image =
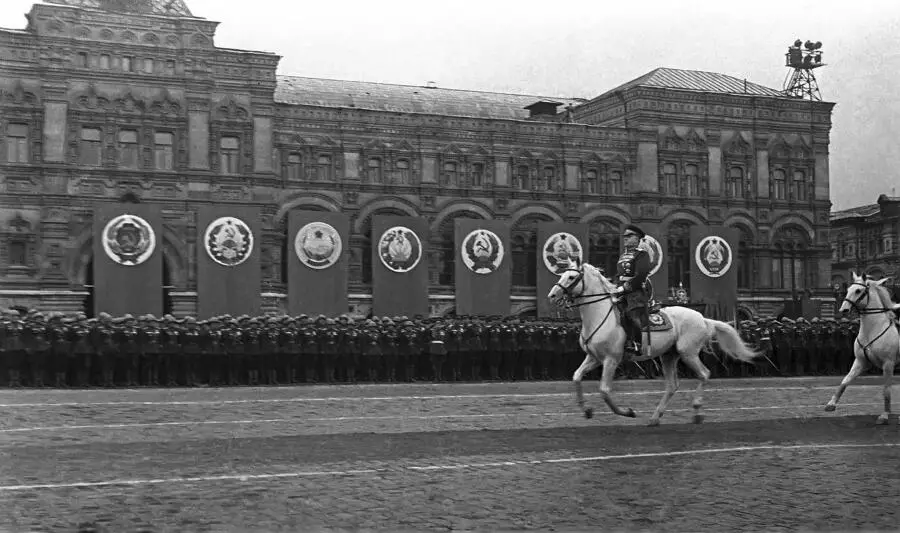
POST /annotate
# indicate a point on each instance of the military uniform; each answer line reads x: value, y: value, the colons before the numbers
x: 632, y: 270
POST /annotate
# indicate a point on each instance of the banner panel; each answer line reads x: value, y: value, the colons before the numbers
x: 228, y: 260
x: 483, y: 273
x: 318, y: 258
x: 714, y: 269
x: 399, y: 266
x: 558, y: 243
x: 128, y: 259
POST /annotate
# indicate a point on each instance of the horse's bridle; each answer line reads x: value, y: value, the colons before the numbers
x: 866, y: 311
x: 572, y: 298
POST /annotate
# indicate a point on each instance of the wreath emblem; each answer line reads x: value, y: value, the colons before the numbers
x: 560, y: 251
x: 318, y: 245
x: 128, y: 240
x: 228, y: 241
x: 399, y: 249
x: 713, y: 256
x: 653, y: 248
x: 482, y: 251
x: 656, y: 320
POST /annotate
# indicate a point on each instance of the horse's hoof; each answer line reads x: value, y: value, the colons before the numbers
x: 882, y: 421
x: 698, y: 419
x: 589, y: 413
x: 830, y: 407
x: 630, y: 413
x: 653, y: 422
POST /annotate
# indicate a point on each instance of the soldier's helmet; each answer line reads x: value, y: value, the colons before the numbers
x: 330, y: 321
x: 190, y: 320
x: 104, y: 316
x: 370, y: 323
x: 168, y: 318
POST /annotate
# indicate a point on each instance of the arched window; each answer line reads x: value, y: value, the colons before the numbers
x: 778, y: 186
x: 605, y: 246
x: 519, y: 259
x: 450, y: 178
x: 792, y: 263
x: 616, y: 183
x: 798, y: 186
x: 735, y: 186
x: 678, y: 249
x: 589, y: 184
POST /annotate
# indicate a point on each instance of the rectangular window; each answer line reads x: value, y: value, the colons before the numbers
x: 82, y: 59
x: 375, y: 170
x: 128, y: 149
x: 549, y: 178
x: 17, y: 143
x: 521, y: 179
x: 148, y: 66
x: 799, y: 189
x: 128, y: 64
x: 170, y: 67
x: 590, y: 182
x: 403, y: 171
x: 17, y: 253
x: 323, y: 168
x: 163, y: 151
x: 90, y: 149
x: 295, y: 167
x: 450, y: 174
x: 229, y: 154
x: 104, y: 61
x: 691, y: 181
x: 670, y: 180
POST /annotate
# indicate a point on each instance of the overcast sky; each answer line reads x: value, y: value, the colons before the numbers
x: 581, y: 48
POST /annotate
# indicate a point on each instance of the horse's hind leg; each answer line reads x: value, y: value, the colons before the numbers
x: 858, y: 367
x: 609, y: 371
x: 670, y: 374
x: 587, y: 365
x: 888, y: 371
x: 694, y: 362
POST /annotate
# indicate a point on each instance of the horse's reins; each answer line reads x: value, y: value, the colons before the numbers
x: 866, y: 311
x: 599, y: 297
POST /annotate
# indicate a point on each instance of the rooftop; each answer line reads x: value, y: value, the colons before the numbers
x: 298, y: 90
x: 856, y: 212
x: 699, y: 81
x: 170, y: 8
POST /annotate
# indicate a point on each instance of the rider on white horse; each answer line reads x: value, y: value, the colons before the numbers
x: 632, y: 270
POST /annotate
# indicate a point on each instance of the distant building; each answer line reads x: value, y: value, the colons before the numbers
x: 102, y: 100
x: 866, y: 240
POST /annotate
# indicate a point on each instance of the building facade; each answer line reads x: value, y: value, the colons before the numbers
x: 109, y: 99
x: 864, y: 240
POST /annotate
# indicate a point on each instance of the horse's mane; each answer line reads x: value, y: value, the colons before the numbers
x: 607, y: 285
x: 882, y: 292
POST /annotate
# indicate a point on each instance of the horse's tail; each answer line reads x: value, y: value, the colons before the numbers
x: 731, y: 342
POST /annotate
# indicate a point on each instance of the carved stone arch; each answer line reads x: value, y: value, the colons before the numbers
x: 325, y: 141
x: 737, y: 145
x: 779, y: 148
x: 229, y: 109
x: 800, y: 150
x: 684, y: 215
x: 151, y: 38
x: 399, y: 206
x: 404, y: 146
x: 199, y: 39
x: 793, y: 220
x: 743, y: 220
x: 550, y: 155
x: 670, y: 140
x: 107, y: 34
x: 452, y: 150
x: 324, y: 202
x: 608, y: 212
x: 694, y: 141
x: 83, y: 32
x: 128, y: 36
x: 480, y: 151
x: 375, y: 144
x: 449, y: 213
x: 531, y: 210
x: 593, y: 158
x: 522, y: 153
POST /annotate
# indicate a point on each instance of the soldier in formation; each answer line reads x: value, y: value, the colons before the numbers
x: 38, y: 350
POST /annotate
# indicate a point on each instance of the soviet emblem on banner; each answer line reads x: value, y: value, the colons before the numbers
x: 561, y: 251
x: 656, y: 254
x: 318, y: 245
x: 228, y: 241
x: 713, y: 256
x: 399, y: 249
x: 128, y: 240
x: 482, y: 251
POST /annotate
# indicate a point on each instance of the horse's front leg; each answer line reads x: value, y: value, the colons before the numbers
x: 609, y: 371
x: 858, y: 367
x: 587, y: 365
x: 888, y: 372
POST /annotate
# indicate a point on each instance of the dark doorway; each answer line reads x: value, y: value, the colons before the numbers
x: 167, y: 289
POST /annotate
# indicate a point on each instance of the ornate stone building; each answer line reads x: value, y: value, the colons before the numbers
x: 865, y: 240
x: 105, y: 100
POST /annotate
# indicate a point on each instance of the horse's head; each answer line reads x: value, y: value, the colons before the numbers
x: 860, y: 294
x: 569, y: 286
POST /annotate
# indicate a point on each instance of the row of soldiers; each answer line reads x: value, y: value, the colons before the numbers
x: 57, y: 350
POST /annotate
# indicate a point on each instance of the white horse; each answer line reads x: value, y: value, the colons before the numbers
x: 603, y: 339
x: 878, y: 341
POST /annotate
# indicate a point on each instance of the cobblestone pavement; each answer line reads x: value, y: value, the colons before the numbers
x: 446, y: 457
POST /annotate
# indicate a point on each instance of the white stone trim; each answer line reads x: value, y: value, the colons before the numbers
x: 15, y: 292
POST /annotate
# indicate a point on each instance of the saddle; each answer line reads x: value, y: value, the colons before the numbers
x: 658, y: 320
